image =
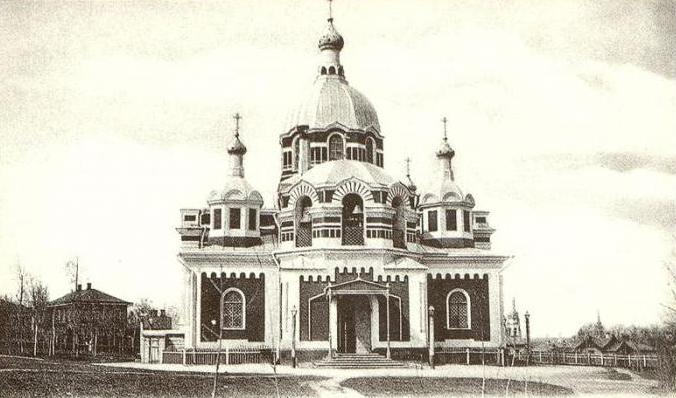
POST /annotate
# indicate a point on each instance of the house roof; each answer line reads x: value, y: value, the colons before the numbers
x: 88, y: 296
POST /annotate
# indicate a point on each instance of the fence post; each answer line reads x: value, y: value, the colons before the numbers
x: 227, y: 355
x: 540, y: 356
x: 603, y: 362
x: 184, y: 357
x: 575, y: 357
x: 430, y: 313
x: 645, y: 363
x: 467, y: 354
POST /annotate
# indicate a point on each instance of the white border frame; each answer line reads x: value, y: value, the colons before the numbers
x: 469, y: 310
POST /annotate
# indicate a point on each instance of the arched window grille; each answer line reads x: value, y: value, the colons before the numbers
x: 336, y: 147
x: 303, y: 222
x: 458, y: 310
x: 233, y: 309
x: 353, y: 220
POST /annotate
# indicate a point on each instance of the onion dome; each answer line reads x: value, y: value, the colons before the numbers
x: 236, y: 146
x: 331, y: 39
x: 445, y: 149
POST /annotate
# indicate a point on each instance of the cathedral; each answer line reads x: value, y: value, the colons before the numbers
x: 348, y: 259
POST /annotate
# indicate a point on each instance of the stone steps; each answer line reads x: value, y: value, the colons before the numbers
x: 359, y: 361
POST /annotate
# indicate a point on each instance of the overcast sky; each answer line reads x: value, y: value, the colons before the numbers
x: 114, y: 115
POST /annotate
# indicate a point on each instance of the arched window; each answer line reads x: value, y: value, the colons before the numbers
x: 369, y: 150
x: 336, y: 147
x: 323, y: 70
x: 340, y: 71
x: 303, y: 222
x: 353, y: 220
x: 233, y: 309
x: 332, y: 70
x: 458, y: 310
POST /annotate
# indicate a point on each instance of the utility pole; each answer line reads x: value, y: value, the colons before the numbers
x: 527, y: 316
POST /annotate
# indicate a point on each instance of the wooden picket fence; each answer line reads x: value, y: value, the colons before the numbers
x: 636, y: 361
x: 227, y: 356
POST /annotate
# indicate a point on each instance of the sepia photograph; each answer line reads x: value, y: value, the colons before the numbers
x: 337, y: 198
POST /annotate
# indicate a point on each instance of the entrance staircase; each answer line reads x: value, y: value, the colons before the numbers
x: 359, y: 361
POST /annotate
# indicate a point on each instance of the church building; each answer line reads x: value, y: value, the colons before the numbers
x: 348, y: 259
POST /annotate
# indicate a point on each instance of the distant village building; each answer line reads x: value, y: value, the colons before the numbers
x: 348, y: 258
x: 88, y: 321
x: 611, y: 344
x: 157, y: 336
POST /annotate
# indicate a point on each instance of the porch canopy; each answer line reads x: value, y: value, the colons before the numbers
x: 357, y: 286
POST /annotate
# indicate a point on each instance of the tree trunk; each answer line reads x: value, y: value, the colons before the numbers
x: 35, y: 336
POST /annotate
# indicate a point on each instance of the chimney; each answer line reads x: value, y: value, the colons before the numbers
x: 89, y: 285
x: 79, y: 287
x: 162, y: 313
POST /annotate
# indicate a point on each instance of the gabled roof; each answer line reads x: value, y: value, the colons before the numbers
x: 87, y: 296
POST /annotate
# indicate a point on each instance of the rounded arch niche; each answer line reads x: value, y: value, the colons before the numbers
x: 353, y: 220
x: 303, y: 221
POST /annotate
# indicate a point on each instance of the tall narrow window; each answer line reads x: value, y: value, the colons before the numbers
x: 235, y: 216
x: 335, y: 147
x: 432, y: 221
x: 465, y: 220
x: 369, y: 150
x: 218, y: 223
x: 458, y: 310
x: 253, y: 219
x: 233, y: 309
x: 451, y: 220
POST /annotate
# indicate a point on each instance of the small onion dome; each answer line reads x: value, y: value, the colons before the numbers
x: 411, y: 185
x: 331, y: 39
x: 445, y: 150
x: 236, y: 147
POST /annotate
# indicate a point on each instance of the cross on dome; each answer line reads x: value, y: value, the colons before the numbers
x: 236, y: 147
x: 237, y: 118
x: 445, y: 121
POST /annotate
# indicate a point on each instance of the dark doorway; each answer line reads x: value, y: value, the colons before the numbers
x: 354, y: 324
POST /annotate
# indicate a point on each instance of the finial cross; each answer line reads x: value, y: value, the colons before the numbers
x: 237, y: 118
x: 330, y: 10
x: 445, y: 121
x: 408, y: 167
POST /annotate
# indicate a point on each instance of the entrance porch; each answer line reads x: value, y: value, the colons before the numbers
x: 353, y: 316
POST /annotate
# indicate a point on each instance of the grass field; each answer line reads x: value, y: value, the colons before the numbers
x: 406, y: 386
x: 33, y: 378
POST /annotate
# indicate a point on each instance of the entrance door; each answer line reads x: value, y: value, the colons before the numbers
x: 362, y: 325
x: 154, y: 350
x: 354, y: 324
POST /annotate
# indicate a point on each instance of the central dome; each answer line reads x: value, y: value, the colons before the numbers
x: 332, y: 100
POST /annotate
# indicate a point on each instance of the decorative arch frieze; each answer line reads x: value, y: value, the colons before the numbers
x: 355, y: 186
x: 398, y: 190
x: 303, y: 188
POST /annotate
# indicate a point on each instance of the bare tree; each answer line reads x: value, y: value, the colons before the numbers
x: 134, y: 316
x: 22, y: 280
x: 73, y: 271
x: 39, y: 298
